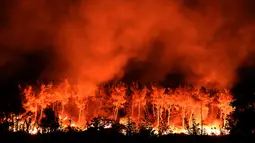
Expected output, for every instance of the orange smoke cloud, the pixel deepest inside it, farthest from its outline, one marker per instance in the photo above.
(208, 41)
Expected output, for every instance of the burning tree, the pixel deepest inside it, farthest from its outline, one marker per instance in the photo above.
(118, 98)
(138, 100)
(157, 101)
(63, 92)
(163, 107)
(224, 99)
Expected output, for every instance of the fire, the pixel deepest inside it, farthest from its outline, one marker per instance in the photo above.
(172, 109)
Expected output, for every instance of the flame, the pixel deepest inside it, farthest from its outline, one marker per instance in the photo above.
(76, 105)
(33, 131)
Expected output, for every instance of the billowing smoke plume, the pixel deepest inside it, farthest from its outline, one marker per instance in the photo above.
(207, 41)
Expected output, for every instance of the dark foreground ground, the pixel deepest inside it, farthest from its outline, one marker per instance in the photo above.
(113, 138)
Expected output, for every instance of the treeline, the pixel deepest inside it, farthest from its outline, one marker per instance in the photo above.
(51, 123)
(100, 131)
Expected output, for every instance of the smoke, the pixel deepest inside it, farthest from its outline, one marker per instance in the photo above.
(207, 41)
(28, 30)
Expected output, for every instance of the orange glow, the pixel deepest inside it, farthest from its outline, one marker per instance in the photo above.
(155, 105)
(93, 42)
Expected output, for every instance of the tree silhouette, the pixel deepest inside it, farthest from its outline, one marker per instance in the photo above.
(242, 120)
(194, 128)
(50, 122)
(131, 127)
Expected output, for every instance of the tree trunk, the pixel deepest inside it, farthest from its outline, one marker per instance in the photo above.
(41, 114)
(53, 106)
(157, 117)
(201, 118)
(183, 118)
(98, 109)
(139, 112)
(116, 112)
(224, 120)
(160, 113)
(79, 119)
(190, 118)
(36, 112)
(168, 116)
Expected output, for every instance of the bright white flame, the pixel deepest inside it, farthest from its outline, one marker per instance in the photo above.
(33, 131)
